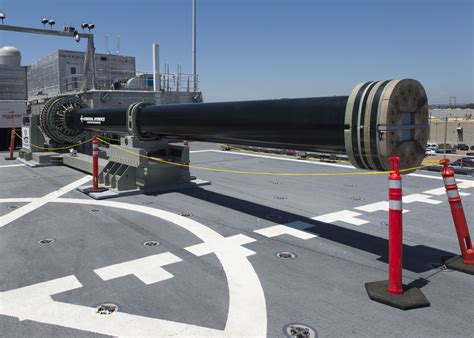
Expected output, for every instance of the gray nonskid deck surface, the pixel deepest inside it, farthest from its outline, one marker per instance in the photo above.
(331, 224)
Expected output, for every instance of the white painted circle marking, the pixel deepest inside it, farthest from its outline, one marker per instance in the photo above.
(247, 314)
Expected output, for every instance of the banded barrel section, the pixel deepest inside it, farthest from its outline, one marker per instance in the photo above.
(384, 119)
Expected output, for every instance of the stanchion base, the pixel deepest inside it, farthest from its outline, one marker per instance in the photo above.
(456, 263)
(411, 298)
(10, 159)
(99, 189)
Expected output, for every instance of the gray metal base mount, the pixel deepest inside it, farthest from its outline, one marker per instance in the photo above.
(456, 263)
(161, 189)
(411, 298)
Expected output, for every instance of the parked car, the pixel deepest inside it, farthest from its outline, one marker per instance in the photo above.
(449, 148)
(430, 151)
(441, 146)
(465, 162)
(462, 146)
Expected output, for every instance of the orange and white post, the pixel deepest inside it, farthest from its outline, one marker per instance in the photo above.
(12, 145)
(457, 212)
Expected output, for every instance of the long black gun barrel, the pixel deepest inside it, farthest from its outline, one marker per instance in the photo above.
(377, 120)
(303, 124)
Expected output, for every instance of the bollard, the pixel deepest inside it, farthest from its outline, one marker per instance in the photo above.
(95, 169)
(12, 145)
(393, 292)
(395, 241)
(465, 262)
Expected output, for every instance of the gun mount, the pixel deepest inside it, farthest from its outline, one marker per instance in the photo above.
(377, 120)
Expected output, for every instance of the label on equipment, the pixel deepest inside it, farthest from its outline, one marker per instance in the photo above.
(92, 120)
(25, 135)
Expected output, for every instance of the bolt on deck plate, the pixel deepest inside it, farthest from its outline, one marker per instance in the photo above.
(186, 214)
(107, 309)
(46, 241)
(300, 331)
(94, 210)
(286, 255)
(13, 206)
(357, 198)
(151, 243)
(274, 217)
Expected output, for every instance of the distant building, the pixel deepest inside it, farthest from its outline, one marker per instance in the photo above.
(61, 72)
(13, 92)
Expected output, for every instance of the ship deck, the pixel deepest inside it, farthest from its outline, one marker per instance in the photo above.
(215, 270)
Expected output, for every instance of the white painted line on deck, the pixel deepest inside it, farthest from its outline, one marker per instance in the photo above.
(247, 315)
(440, 178)
(34, 303)
(148, 269)
(420, 198)
(12, 165)
(232, 243)
(284, 159)
(442, 191)
(17, 200)
(37, 203)
(201, 151)
(465, 184)
(377, 206)
(345, 216)
(292, 229)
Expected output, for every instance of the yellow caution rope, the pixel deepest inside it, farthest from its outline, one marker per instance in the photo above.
(259, 172)
(226, 146)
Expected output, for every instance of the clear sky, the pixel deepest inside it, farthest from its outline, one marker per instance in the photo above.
(250, 49)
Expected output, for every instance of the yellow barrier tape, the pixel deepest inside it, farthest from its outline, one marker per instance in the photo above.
(110, 139)
(281, 155)
(61, 148)
(259, 172)
(309, 159)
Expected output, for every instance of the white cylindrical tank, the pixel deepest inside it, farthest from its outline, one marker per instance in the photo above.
(10, 56)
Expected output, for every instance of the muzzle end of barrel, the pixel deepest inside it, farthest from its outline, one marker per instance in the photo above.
(384, 119)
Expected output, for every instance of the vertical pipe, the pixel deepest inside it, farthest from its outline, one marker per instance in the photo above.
(92, 54)
(167, 77)
(445, 135)
(194, 48)
(429, 127)
(177, 78)
(395, 241)
(156, 68)
(12, 144)
(95, 164)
